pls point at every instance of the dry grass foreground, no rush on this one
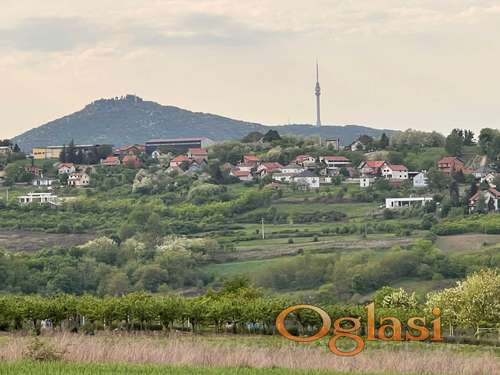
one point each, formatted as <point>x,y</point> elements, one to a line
<point>191,351</point>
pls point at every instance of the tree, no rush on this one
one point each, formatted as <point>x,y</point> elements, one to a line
<point>468,138</point>
<point>438,180</point>
<point>252,137</point>
<point>454,143</point>
<point>474,302</point>
<point>454,194</point>
<point>384,141</point>
<point>271,135</point>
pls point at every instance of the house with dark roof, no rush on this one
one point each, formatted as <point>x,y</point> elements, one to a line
<point>307,180</point>
<point>335,162</point>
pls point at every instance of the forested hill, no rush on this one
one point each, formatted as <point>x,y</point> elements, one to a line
<point>130,119</point>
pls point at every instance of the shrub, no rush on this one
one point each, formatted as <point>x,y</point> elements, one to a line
<point>41,351</point>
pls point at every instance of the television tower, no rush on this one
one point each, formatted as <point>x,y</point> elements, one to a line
<point>317,92</point>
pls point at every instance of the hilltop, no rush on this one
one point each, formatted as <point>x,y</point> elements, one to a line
<point>130,119</point>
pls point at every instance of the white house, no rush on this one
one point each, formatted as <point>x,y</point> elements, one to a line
<point>365,181</point>
<point>357,146</point>
<point>5,150</point>
<point>393,203</point>
<point>335,162</point>
<point>292,169</point>
<point>490,179</point>
<point>42,181</point>
<point>420,180</point>
<point>41,198</point>
<point>307,179</point>
<point>305,160</point>
<point>395,172</point>
<point>284,177</point>
<point>78,179</point>
<point>491,199</point>
<point>333,143</point>
<point>66,168</point>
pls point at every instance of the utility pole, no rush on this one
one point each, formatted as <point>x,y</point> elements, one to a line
<point>262,230</point>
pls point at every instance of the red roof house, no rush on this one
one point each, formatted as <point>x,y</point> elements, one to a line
<point>132,161</point>
<point>111,161</point>
<point>451,164</point>
<point>268,168</point>
<point>251,159</point>
<point>371,167</point>
<point>178,160</point>
<point>197,152</point>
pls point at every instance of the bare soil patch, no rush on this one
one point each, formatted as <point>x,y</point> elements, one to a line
<point>22,240</point>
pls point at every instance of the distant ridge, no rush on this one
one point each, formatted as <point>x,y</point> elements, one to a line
<point>130,119</point>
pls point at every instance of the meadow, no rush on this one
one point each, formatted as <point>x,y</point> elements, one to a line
<point>220,354</point>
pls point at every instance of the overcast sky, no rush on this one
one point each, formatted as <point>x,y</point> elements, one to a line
<point>425,64</point>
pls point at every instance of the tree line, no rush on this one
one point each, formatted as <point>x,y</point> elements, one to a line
<point>240,308</point>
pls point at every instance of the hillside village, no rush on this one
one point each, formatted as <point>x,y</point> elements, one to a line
<point>184,214</point>
<point>364,163</point>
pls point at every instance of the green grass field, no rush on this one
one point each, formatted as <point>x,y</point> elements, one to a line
<point>56,368</point>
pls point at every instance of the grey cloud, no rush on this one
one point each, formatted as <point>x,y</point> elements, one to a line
<point>49,34</point>
<point>200,28</point>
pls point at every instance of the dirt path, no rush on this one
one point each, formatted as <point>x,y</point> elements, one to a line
<point>22,240</point>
